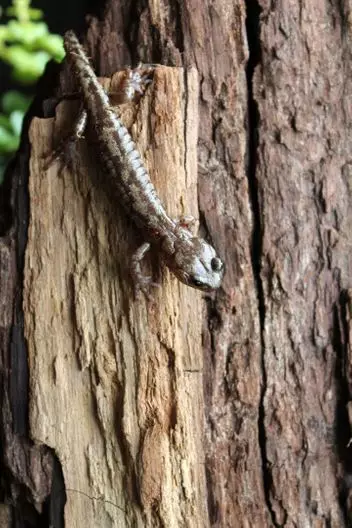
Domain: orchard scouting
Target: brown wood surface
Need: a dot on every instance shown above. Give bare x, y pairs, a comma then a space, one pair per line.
222, 410
125, 404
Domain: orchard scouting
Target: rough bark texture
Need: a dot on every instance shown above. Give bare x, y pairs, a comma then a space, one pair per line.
128, 423
303, 90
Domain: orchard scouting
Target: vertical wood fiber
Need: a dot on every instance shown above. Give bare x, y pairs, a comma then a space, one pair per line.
116, 383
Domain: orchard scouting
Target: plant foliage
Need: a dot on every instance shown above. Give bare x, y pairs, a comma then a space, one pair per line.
26, 45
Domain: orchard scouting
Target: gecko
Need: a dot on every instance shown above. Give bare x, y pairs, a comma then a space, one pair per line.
190, 258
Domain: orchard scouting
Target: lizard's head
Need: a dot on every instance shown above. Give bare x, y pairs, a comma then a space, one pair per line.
196, 263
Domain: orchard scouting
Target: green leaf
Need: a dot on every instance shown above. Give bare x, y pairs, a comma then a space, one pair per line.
8, 142
26, 32
52, 44
29, 13
28, 66
3, 33
5, 122
35, 14
16, 120
14, 100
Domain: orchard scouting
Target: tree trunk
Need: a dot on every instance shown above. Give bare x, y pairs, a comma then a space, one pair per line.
228, 409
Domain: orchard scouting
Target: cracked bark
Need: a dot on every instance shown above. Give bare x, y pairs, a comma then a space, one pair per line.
267, 445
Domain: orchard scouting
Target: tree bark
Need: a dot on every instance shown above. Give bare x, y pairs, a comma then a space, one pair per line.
228, 409
305, 198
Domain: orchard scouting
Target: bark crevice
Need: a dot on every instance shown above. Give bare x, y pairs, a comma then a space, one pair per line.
341, 344
254, 55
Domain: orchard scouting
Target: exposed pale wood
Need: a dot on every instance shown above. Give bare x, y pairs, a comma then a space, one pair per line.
5, 516
116, 383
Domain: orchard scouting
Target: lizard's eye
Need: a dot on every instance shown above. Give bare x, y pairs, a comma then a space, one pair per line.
216, 264
195, 282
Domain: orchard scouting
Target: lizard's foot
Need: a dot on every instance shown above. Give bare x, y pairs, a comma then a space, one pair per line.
186, 222
64, 154
137, 82
133, 85
142, 283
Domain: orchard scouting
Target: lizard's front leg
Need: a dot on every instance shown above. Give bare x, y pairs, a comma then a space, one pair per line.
141, 281
64, 151
132, 87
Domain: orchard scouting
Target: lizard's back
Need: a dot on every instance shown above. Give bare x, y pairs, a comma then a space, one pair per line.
120, 159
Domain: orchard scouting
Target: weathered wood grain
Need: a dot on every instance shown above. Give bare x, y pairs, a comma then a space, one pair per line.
116, 383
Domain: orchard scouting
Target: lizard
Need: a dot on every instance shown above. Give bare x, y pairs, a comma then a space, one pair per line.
190, 258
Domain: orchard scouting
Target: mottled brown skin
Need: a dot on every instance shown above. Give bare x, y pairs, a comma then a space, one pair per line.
190, 258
